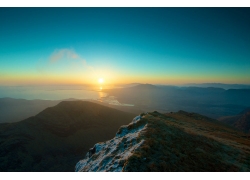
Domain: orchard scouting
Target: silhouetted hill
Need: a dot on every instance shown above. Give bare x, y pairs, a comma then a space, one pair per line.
240, 121
14, 110
179, 141
56, 138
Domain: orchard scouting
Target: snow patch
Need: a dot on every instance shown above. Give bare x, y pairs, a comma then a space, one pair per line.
137, 118
111, 155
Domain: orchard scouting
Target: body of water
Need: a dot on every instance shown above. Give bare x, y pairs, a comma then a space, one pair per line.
51, 92
113, 101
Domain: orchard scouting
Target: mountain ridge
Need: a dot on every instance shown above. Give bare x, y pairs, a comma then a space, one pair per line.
178, 141
14, 110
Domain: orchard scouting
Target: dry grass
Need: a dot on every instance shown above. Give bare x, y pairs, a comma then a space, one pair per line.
189, 142
197, 124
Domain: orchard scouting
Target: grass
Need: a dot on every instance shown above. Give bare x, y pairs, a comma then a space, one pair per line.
181, 142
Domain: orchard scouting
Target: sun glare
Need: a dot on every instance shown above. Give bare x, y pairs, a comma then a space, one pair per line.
100, 80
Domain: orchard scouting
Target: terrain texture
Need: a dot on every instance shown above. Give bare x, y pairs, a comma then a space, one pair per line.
56, 138
178, 141
240, 121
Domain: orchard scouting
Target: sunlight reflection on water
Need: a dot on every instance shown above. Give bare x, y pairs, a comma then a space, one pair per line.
113, 101
59, 93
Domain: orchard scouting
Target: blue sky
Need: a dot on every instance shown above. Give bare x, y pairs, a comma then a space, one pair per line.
125, 45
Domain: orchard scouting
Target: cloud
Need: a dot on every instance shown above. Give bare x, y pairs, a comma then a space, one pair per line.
63, 53
76, 65
69, 55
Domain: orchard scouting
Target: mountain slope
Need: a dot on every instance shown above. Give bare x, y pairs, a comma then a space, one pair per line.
56, 138
171, 142
240, 121
14, 110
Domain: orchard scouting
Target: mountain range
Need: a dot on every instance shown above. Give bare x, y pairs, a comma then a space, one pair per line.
220, 85
209, 101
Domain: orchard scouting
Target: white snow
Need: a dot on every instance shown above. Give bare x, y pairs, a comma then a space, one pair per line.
111, 155
136, 118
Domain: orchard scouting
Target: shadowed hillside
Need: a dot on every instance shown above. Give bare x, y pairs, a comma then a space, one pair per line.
56, 138
179, 141
14, 110
240, 121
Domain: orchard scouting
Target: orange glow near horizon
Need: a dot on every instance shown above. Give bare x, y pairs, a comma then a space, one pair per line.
112, 79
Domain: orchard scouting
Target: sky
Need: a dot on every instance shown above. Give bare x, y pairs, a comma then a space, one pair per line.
124, 45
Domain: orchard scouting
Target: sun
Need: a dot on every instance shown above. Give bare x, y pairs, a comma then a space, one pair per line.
100, 80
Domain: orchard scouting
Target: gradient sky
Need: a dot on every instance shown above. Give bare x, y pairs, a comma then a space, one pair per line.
124, 45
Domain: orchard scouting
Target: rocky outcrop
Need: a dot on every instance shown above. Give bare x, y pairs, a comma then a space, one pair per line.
112, 155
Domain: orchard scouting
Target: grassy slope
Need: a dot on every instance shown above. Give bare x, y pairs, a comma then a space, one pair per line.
56, 138
189, 142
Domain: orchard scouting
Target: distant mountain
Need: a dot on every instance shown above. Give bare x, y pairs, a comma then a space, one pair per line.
14, 110
204, 90
179, 141
56, 138
128, 85
221, 85
144, 86
239, 95
240, 121
209, 101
